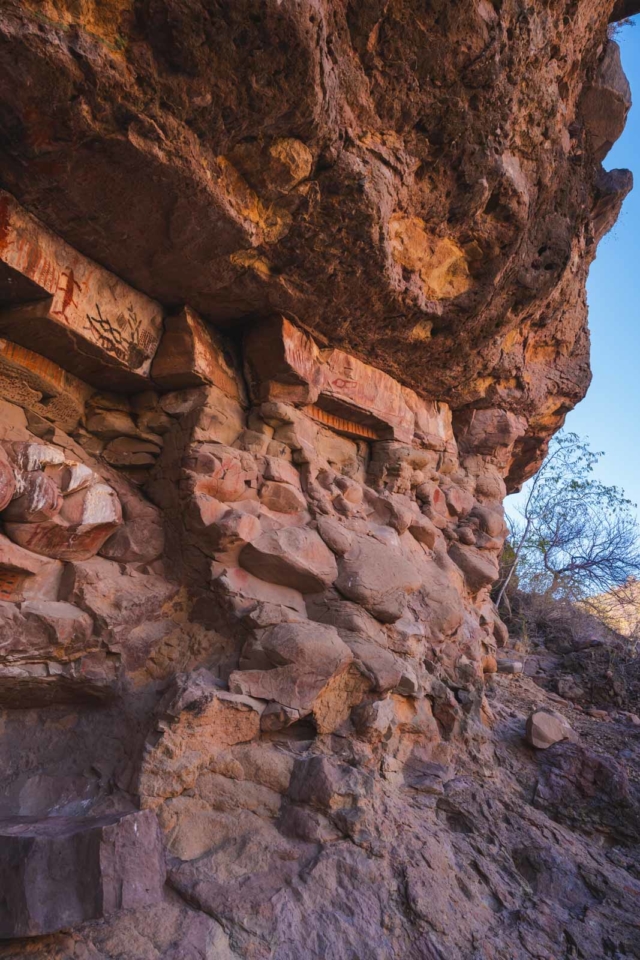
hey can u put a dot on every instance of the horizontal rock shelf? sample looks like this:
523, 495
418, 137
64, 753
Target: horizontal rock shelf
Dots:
283, 363
67, 308
61, 871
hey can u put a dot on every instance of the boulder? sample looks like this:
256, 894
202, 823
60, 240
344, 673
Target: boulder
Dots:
62, 871
546, 727
489, 432
131, 452
136, 541
480, 568
7, 480
424, 531
293, 557
118, 598
383, 668
294, 664
71, 476
459, 501
28, 456
231, 530
612, 187
40, 499
337, 537
219, 471
282, 497
378, 578
40, 629
275, 468
509, 665
326, 783
87, 518
110, 424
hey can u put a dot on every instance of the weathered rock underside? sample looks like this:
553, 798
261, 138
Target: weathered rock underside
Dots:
291, 294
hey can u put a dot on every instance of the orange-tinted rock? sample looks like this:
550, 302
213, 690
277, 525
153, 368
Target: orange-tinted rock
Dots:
71, 310
606, 102
41, 385
189, 355
546, 727
489, 664
480, 569
363, 393
298, 665
119, 598
197, 720
219, 472
489, 432
281, 362
231, 530
377, 578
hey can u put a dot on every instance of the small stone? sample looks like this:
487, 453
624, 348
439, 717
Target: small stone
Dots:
506, 665
597, 714
546, 727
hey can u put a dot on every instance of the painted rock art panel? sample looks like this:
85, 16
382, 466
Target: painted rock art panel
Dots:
69, 309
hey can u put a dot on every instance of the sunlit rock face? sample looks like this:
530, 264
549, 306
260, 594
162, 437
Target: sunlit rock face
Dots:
290, 296
416, 184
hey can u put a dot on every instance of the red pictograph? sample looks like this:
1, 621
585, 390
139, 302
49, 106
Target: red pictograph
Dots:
68, 286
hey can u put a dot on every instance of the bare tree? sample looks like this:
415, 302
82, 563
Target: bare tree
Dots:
576, 537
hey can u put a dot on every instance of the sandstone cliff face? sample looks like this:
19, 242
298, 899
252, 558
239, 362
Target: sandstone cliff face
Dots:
290, 296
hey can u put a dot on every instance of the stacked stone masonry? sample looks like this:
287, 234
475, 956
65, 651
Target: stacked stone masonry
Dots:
252, 472
285, 535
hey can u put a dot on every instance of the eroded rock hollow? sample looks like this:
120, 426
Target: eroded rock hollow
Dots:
291, 295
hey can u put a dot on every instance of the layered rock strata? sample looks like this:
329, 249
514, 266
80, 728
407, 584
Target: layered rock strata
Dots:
256, 429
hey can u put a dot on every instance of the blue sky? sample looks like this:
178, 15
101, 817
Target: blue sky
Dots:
609, 416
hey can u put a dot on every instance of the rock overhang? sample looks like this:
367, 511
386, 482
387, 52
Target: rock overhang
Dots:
246, 561
447, 250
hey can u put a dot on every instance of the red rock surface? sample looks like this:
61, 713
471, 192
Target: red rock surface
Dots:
247, 541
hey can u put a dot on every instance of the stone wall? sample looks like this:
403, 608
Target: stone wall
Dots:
279, 541
289, 299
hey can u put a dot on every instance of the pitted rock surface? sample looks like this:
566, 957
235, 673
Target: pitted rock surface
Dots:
306, 300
